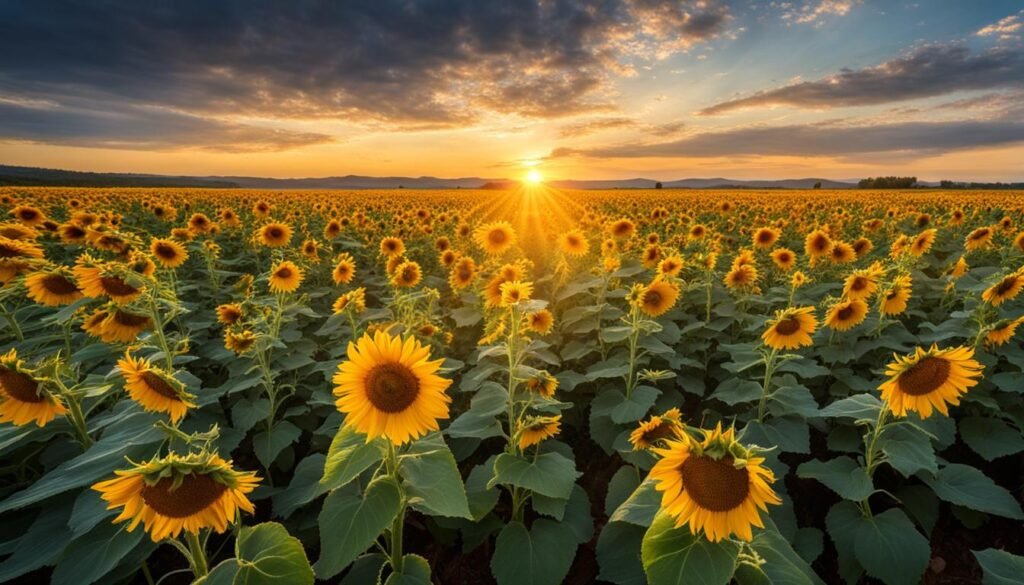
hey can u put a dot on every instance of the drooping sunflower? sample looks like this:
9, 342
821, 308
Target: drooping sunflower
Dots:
229, 314
896, 297
168, 253
123, 326
285, 277
537, 429
574, 243
540, 321
846, 315
1005, 290
407, 274
344, 270
98, 279
928, 380
275, 235
52, 287
791, 328
495, 238
657, 298
715, 486
1003, 331
653, 431
176, 493
979, 238
513, 292
351, 301
23, 399
390, 388
153, 388
542, 383
239, 341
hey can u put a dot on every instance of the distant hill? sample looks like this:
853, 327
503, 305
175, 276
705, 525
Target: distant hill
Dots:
28, 176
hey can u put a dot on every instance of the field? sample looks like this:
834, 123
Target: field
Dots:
515, 387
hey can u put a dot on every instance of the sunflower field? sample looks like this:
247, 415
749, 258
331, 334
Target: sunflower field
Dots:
526, 387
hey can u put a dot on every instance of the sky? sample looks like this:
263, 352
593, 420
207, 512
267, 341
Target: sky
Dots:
573, 89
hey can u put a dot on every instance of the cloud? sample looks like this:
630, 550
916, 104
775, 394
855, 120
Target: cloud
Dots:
812, 12
142, 129
409, 65
1005, 28
591, 126
927, 71
825, 139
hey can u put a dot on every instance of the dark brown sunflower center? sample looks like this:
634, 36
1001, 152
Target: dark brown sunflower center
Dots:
130, 319
652, 298
20, 386
764, 237
58, 285
845, 313
820, 243
859, 283
192, 496
714, 484
1006, 285
159, 385
409, 274
9, 252
662, 431
787, 326
115, 286
980, 234
925, 376
283, 272
392, 387
275, 233
497, 237
166, 251
28, 214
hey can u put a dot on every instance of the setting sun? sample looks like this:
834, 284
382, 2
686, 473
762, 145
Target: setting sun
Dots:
533, 177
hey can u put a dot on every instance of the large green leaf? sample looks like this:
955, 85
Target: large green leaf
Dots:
42, 542
784, 566
432, 480
908, 451
674, 556
858, 407
265, 554
349, 524
415, 571
991, 437
618, 553
842, 475
1000, 567
89, 558
842, 522
549, 474
966, 486
268, 445
640, 507
541, 555
613, 403
305, 486
891, 549
348, 456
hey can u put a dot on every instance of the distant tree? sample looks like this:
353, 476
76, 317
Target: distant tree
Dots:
887, 183
657, 185
817, 185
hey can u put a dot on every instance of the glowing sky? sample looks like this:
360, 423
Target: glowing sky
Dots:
587, 90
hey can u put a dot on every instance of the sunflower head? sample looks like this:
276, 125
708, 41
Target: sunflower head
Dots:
24, 397
540, 321
240, 342
542, 383
929, 380
344, 270
463, 273
657, 298
407, 274
153, 388
845, 315
285, 277
176, 493
1002, 331
656, 430
574, 243
52, 287
537, 429
514, 292
354, 301
389, 387
791, 328
168, 253
275, 235
495, 238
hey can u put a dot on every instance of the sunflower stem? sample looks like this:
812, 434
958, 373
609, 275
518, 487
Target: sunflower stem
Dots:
870, 452
769, 371
12, 322
146, 573
199, 566
634, 342
75, 415
398, 524
158, 330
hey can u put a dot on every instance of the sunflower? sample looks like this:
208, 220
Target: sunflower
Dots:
16, 231
791, 328
979, 238
239, 341
351, 301
52, 287
447, 258
765, 237
275, 235
655, 430
542, 383
389, 387
846, 315
574, 243
515, 291
741, 277
670, 266
229, 314
407, 274
173, 493
817, 244
862, 284
784, 259
199, 223
929, 379
537, 429
716, 485
463, 273
168, 253
153, 388
311, 250
23, 399
122, 326
651, 256
540, 321
495, 238
895, 300
622, 228
285, 277
332, 229
922, 243
344, 270
28, 215
1003, 331
959, 269
1005, 290
657, 298
97, 280
842, 253
392, 247
862, 247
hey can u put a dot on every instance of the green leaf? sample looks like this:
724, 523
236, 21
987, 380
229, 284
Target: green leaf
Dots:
788, 434
620, 487
349, 524
674, 556
466, 316
265, 554
999, 566
365, 570
990, 437
550, 474
42, 542
88, 559
304, 487
618, 553
268, 445
432, 480
481, 498
858, 407
613, 403
908, 450
966, 486
246, 413
541, 555
891, 549
784, 566
640, 507
415, 571
842, 475
737, 390
842, 522
349, 455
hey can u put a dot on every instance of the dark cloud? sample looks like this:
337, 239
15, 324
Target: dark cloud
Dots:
931, 70
828, 139
142, 129
408, 64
